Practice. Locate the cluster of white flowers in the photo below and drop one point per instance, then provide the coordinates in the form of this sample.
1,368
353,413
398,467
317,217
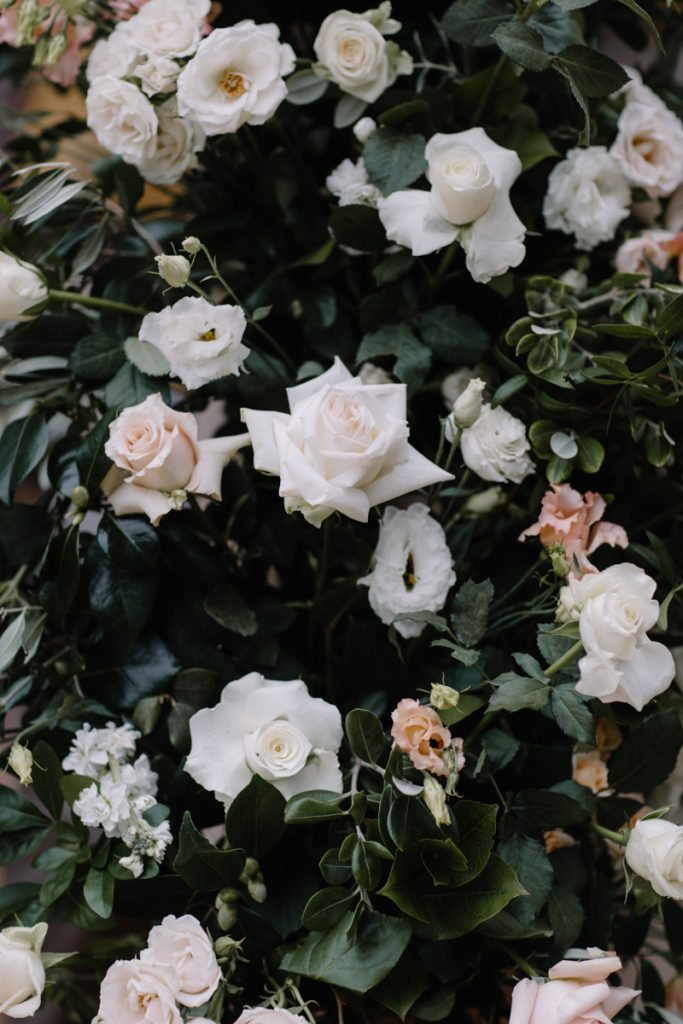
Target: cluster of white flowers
122,791
350,184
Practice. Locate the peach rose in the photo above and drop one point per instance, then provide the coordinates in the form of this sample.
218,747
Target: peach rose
576,993
608,735
419,733
588,769
569,520
557,839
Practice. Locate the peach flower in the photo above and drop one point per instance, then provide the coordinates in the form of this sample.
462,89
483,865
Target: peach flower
608,735
577,992
588,769
419,733
674,995
569,520
557,839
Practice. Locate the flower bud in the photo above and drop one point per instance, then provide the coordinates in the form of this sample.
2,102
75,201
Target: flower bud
227,897
80,496
371,374
485,501
174,270
20,760
250,870
226,917
192,245
364,128
257,890
435,799
443,697
467,406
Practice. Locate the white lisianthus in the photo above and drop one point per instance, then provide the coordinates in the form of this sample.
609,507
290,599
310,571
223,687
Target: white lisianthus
269,728
177,143
471,177
467,406
182,944
157,74
168,28
22,974
235,77
158,459
649,142
350,183
343,447
353,53
615,608
412,568
136,992
202,342
363,129
122,118
116,55
496,447
655,852
21,287
588,196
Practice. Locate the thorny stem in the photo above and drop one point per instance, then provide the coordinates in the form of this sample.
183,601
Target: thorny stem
95,302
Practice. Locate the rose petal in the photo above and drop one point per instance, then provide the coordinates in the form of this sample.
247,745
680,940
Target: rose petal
409,218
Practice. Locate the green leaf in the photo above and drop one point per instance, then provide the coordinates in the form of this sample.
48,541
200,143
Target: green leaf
542,809
146,357
91,461
359,227
365,735
453,336
314,805
572,714
413,359
403,985
476,828
96,357
57,882
201,865
531,865
470,610
642,13
467,705
332,870
47,772
123,599
13,898
394,159
443,860
365,866
255,819
566,917
17,813
98,892
594,74
73,785
669,320
648,754
348,109
11,640
23,444
591,454
130,387
227,607
517,693
304,87
472,22
326,908
523,45
131,544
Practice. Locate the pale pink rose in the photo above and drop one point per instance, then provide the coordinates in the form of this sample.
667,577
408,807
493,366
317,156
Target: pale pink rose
182,943
588,769
569,520
134,992
577,993
635,254
418,731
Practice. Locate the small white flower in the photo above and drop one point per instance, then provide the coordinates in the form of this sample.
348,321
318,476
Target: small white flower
496,447
104,805
168,28
363,129
649,142
192,245
91,749
351,185
139,777
575,279
588,196
412,568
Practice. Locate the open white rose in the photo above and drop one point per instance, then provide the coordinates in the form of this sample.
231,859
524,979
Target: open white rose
116,55
588,196
157,74
177,143
496,448
235,78
655,852
269,728
168,28
122,118
22,975
471,177
344,446
135,992
614,609
412,568
353,53
21,287
158,459
202,342
182,943
649,142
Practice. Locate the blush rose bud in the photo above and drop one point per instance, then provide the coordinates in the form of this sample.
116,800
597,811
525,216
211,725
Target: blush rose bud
174,270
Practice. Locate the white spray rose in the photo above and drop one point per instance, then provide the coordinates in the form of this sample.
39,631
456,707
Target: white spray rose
350,183
269,728
177,143
471,177
116,55
157,75
235,78
22,975
649,142
496,447
122,118
655,852
344,446
202,342
168,28
135,992
412,568
21,287
174,270
182,944
588,196
615,609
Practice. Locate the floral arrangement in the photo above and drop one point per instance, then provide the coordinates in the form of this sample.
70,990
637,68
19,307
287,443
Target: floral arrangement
341,514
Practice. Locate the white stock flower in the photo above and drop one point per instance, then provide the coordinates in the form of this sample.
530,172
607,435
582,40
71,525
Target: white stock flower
139,777
363,129
104,804
157,74
412,568
496,447
235,78
202,342
344,446
177,143
122,118
615,608
353,53
588,196
91,749
116,55
21,286
168,28
351,185
136,992
649,142
182,944
269,728
655,852
22,974
471,177
158,459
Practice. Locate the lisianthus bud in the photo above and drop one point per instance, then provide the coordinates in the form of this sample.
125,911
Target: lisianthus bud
226,947
250,870
435,799
363,129
467,406
227,897
443,697
192,245
175,270
80,496
485,501
257,890
20,760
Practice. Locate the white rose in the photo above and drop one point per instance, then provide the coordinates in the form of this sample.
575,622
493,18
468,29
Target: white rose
649,142
363,129
235,78
182,943
471,177
344,446
467,406
353,53
177,144
655,852
116,55
588,196
157,459
269,728
635,254
615,608
202,342
157,75
21,287
351,185
22,975
168,28
412,568
122,118
261,1015
496,448
135,992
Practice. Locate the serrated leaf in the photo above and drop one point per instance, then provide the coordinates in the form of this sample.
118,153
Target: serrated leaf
469,611
519,693
146,357
572,714
523,45
394,159
226,606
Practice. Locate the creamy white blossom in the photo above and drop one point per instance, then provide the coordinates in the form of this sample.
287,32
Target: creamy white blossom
588,196
173,269
496,447
178,142
182,944
21,287
369,373
263,1015
655,852
412,568
122,118
649,142
168,28
116,55
157,75
22,974
138,992
350,184
91,748
363,129
106,805
453,385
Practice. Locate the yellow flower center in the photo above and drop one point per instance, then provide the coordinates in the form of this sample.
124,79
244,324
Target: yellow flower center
232,83
409,578
209,335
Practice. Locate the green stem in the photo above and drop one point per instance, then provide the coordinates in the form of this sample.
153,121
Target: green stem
531,8
565,659
96,303
608,833
520,961
481,725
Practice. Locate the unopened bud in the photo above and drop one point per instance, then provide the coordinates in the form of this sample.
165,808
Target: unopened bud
226,918
174,270
192,245
467,406
435,799
364,128
443,697
80,496
55,49
20,760
485,501
559,561
225,947
250,869
227,897
257,890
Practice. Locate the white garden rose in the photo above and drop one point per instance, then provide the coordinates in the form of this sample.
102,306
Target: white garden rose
136,992
122,118
158,459
235,78
343,447
202,342
412,568
269,728
22,974
649,142
168,28
350,183
116,55
471,177
655,852
182,944
177,143
157,74
21,287
615,608
353,53
588,196
496,447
